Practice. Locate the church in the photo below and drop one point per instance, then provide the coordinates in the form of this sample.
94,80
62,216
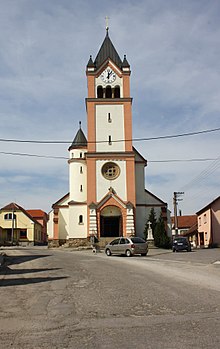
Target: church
107,195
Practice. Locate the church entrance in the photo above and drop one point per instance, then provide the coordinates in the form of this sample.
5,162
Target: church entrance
110,222
110,226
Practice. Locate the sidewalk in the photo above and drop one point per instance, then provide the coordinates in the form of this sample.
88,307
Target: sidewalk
157,251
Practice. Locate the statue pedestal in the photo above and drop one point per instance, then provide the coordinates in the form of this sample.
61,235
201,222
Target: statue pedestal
150,243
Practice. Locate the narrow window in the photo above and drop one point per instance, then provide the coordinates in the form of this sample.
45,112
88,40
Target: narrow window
100,92
110,140
81,169
117,92
205,219
81,219
108,92
80,155
109,117
81,188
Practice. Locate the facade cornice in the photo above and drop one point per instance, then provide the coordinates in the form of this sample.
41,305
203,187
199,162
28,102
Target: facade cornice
110,156
109,100
72,202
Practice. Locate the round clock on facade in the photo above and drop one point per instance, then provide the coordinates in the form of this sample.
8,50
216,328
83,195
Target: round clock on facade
108,75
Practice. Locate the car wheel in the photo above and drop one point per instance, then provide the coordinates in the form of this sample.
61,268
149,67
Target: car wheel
108,252
128,253
143,254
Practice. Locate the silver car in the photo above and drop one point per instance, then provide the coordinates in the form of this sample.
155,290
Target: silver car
127,246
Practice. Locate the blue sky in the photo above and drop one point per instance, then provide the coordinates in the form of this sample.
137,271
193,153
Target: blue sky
173,49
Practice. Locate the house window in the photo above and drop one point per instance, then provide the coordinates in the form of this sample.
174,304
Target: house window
81,188
23,234
9,216
205,218
200,221
110,140
109,117
81,219
80,155
81,169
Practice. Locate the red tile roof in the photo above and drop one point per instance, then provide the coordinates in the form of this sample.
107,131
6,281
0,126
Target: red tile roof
185,221
36,213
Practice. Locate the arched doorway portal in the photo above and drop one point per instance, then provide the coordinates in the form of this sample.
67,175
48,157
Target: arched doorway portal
110,222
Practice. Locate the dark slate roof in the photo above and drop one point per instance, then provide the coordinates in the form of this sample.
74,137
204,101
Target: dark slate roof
79,140
106,51
125,63
90,62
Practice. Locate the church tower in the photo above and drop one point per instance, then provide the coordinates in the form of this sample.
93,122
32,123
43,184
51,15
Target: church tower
110,157
107,195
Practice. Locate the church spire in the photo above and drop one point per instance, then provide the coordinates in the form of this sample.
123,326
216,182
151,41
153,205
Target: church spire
107,51
79,140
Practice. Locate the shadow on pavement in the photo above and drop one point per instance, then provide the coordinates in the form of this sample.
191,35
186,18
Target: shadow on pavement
23,258
27,281
9,271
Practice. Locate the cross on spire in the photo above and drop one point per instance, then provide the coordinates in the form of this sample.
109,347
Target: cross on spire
106,21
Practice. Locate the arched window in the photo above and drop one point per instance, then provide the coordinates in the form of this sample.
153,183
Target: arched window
80,219
108,92
100,92
117,92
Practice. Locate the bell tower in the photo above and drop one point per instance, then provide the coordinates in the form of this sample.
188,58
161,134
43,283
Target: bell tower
111,197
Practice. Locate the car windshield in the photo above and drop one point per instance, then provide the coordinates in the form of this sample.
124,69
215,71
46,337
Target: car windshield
180,240
137,240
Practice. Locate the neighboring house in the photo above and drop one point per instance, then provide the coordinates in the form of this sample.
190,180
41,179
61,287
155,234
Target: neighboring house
107,195
42,218
208,219
184,223
192,234
18,226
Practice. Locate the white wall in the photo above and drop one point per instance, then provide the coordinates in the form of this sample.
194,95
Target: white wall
63,223
115,128
118,184
77,230
50,225
78,179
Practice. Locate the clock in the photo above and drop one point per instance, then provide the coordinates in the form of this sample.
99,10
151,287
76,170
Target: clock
108,75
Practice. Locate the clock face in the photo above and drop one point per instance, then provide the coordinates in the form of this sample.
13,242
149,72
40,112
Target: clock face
108,75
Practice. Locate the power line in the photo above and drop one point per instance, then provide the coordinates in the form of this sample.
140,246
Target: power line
114,141
183,160
34,155
66,158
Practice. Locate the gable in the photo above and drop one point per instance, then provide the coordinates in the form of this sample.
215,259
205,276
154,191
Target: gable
153,199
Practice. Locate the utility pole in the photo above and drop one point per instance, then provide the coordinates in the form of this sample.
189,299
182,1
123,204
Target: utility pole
176,198
12,228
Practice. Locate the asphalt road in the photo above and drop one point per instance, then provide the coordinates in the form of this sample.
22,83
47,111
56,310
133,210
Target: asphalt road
74,299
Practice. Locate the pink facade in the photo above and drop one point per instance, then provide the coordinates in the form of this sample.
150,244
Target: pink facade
209,225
